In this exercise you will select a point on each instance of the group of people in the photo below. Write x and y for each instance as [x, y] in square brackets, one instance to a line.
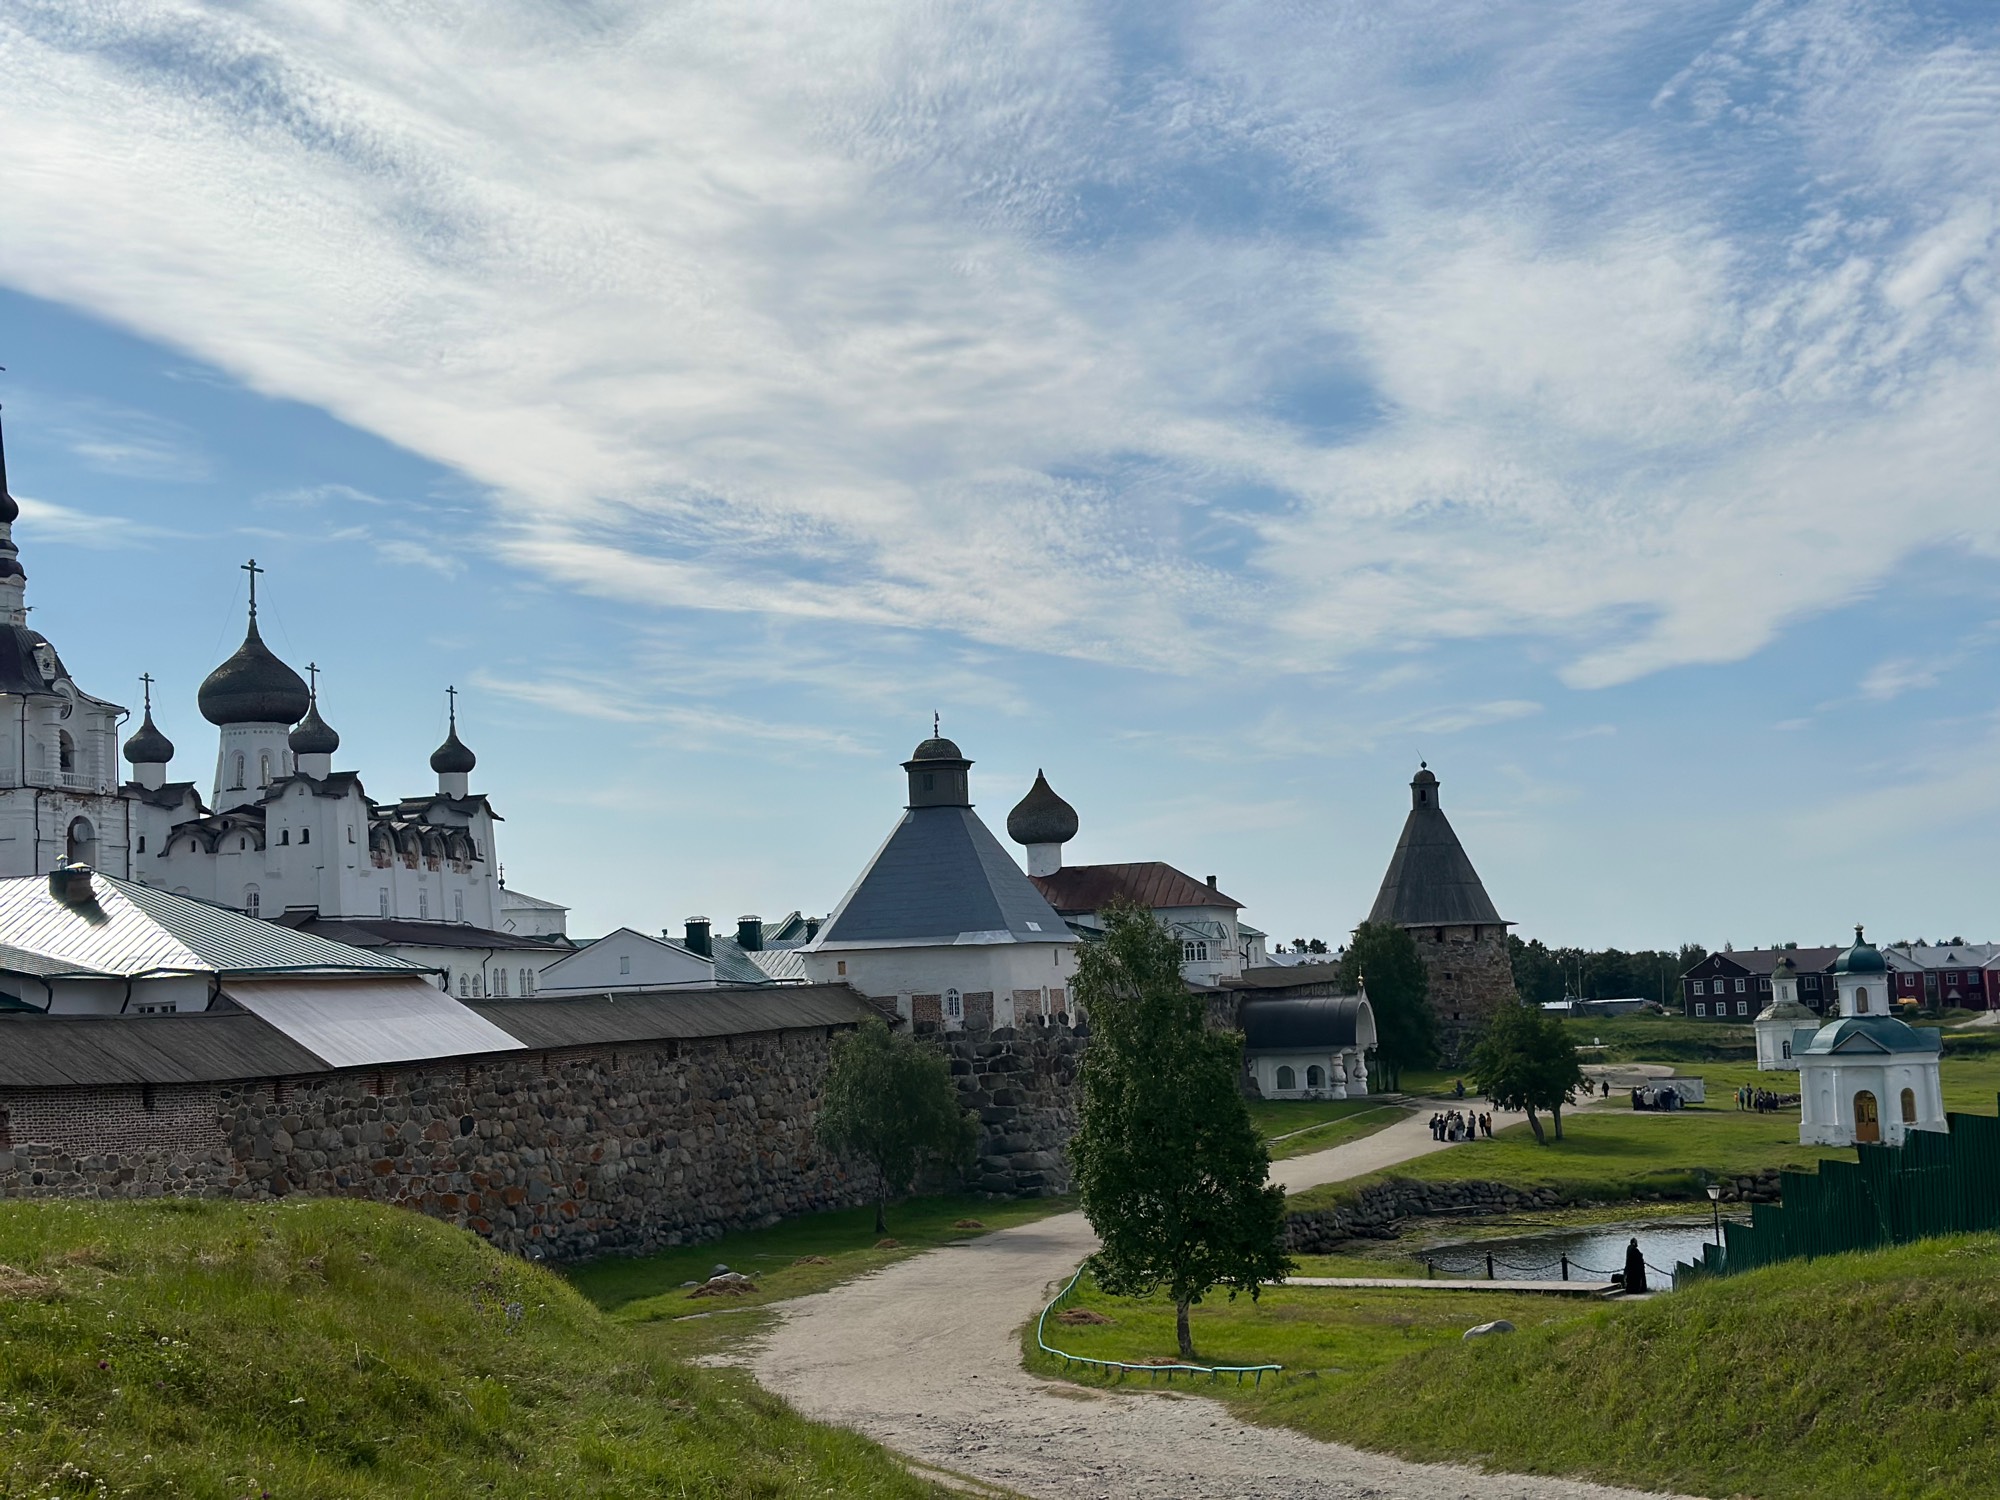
[1453, 1126]
[1763, 1101]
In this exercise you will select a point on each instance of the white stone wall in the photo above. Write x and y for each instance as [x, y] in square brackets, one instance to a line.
[996, 968]
[623, 960]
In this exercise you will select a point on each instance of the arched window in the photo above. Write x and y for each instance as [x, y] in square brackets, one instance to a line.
[236, 782]
[385, 900]
[423, 903]
[1909, 1106]
[82, 842]
[1315, 1077]
[1287, 1080]
[1861, 1000]
[65, 751]
[954, 1004]
[253, 901]
[284, 837]
[305, 835]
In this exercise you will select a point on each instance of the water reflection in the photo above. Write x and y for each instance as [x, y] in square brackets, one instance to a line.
[1594, 1251]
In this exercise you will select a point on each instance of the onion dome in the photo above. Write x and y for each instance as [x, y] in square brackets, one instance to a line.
[1041, 817]
[253, 687]
[452, 757]
[313, 736]
[149, 747]
[1862, 958]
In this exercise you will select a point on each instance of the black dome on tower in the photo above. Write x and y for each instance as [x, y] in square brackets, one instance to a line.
[314, 736]
[452, 755]
[1041, 817]
[253, 687]
[149, 747]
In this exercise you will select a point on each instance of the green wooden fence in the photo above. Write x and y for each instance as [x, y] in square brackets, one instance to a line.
[1934, 1183]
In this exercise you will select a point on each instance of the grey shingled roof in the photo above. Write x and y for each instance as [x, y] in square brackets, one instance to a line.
[129, 929]
[940, 877]
[1430, 882]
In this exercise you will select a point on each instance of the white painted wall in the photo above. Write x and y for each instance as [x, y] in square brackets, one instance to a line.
[898, 973]
[625, 960]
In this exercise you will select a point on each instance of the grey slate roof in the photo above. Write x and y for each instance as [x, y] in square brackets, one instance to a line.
[1430, 882]
[940, 877]
[132, 929]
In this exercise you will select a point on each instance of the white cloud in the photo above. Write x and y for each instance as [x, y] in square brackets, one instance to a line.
[81, 528]
[1275, 335]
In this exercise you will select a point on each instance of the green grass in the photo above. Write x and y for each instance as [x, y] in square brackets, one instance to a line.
[1662, 1039]
[1860, 1377]
[1609, 1154]
[648, 1288]
[209, 1351]
[1295, 1127]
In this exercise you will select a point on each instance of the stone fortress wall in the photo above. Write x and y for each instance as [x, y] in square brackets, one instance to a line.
[559, 1155]
[1470, 977]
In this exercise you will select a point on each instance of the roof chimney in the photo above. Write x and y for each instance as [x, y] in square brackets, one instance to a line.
[71, 885]
[698, 940]
[812, 928]
[1211, 882]
[750, 934]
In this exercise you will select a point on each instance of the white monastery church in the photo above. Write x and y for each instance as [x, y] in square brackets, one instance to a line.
[280, 833]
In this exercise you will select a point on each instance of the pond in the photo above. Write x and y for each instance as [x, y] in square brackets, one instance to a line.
[1594, 1250]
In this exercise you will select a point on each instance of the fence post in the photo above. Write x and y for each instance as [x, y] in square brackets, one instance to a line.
[1565, 1267]
[1489, 1265]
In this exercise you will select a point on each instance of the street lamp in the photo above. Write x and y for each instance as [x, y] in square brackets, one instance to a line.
[1715, 1205]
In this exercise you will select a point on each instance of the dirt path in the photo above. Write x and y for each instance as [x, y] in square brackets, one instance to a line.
[925, 1357]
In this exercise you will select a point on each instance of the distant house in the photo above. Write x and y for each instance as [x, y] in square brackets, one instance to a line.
[1736, 985]
[1957, 976]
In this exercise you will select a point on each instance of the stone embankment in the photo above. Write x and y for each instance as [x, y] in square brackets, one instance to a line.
[1374, 1211]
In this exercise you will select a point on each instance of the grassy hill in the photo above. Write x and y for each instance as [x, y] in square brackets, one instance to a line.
[215, 1351]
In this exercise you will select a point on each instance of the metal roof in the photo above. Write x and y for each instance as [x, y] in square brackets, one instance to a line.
[398, 932]
[1272, 1024]
[638, 1016]
[127, 929]
[940, 877]
[1149, 883]
[355, 1024]
[38, 1051]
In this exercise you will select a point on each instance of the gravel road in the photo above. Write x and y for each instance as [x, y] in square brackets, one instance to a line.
[925, 1357]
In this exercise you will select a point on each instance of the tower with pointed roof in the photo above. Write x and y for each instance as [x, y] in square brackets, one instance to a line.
[941, 924]
[59, 756]
[1432, 892]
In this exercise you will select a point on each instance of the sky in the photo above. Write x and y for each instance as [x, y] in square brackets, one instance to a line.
[1222, 406]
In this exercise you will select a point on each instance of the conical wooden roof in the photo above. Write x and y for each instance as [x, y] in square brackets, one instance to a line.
[1430, 882]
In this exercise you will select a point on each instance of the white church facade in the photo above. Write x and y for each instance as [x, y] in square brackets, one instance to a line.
[1867, 1077]
[277, 832]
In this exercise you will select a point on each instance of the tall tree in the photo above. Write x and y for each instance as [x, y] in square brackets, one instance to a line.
[892, 1103]
[1384, 958]
[1171, 1172]
[1525, 1060]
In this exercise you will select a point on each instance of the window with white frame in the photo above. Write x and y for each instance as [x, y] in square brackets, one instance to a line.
[253, 901]
[458, 906]
[1700, 1009]
[1742, 1007]
[1194, 950]
[499, 984]
[954, 1004]
[624, 963]
[527, 983]
[423, 902]
[464, 986]
[1700, 987]
[1739, 986]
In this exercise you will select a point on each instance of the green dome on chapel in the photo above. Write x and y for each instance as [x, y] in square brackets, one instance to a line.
[1862, 958]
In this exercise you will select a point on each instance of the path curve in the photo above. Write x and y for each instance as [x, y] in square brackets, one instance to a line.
[924, 1356]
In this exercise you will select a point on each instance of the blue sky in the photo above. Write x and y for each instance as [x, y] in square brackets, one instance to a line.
[1222, 406]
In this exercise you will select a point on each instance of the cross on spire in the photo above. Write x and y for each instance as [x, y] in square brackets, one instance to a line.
[451, 696]
[937, 725]
[146, 678]
[253, 570]
[312, 677]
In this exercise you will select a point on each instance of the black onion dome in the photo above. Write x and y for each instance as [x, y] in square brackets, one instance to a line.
[452, 756]
[1041, 817]
[314, 736]
[149, 747]
[936, 749]
[253, 687]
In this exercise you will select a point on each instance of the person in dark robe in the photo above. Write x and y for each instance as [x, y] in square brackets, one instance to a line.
[1635, 1267]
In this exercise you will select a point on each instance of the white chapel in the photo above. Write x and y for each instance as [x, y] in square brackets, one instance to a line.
[1867, 1076]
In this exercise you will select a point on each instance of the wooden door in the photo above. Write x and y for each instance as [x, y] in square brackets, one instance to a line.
[1866, 1126]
